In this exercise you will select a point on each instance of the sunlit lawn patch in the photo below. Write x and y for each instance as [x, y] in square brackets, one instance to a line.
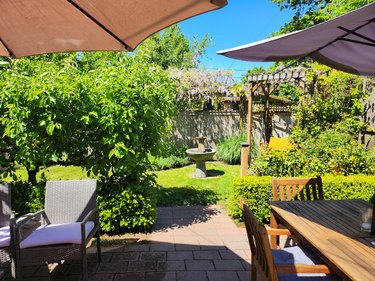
[55, 173]
[179, 187]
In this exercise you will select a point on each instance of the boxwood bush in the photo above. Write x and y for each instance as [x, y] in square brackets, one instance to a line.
[257, 192]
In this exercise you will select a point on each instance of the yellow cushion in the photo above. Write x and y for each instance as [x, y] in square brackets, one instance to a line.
[280, 144]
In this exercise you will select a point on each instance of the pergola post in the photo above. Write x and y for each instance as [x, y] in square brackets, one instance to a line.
[244, 158]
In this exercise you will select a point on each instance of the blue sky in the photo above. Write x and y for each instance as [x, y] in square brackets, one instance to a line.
[239, 23]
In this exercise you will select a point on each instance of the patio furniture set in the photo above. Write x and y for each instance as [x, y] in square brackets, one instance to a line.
[330, 244]
[61, 231]
[327, 240]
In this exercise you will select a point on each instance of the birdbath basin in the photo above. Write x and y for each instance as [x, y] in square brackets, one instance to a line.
[200, 157]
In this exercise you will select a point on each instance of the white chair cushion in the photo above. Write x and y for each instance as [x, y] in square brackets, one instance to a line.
[4, 236]
[300, 255]
[56, 234]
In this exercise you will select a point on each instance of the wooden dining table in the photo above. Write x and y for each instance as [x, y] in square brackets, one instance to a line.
[332, 229]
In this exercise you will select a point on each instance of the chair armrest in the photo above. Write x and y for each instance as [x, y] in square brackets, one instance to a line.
[278, 231]
[90, 216]
[303, 268]
[28, 217]
[19, 225]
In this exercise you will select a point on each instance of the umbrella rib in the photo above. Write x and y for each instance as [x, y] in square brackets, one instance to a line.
[6, 47]
[339, 38]
[359, 42]
[356, 34]
[100, 24]
[348, 31]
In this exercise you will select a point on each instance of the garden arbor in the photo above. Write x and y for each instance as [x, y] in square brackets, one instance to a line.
[267, 83]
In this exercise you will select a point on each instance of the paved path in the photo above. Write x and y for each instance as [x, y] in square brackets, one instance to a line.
[198, 243]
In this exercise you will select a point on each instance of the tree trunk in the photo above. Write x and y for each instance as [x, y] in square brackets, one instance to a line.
[32, 175]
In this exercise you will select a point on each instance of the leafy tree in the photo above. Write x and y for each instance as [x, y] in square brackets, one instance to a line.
[38, 109]
[336, 97]
[311, 12]
[128, 102]
[171, 49]
[103, 111]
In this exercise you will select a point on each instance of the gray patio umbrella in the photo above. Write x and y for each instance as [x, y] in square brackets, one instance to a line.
[345, 43]
[31, 27]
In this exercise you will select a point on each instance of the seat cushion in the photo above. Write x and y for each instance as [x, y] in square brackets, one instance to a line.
[296, 254]
[300, 255]
[67, 233]
[4, 236]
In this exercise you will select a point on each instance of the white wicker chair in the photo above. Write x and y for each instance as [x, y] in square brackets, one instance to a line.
[69, 221]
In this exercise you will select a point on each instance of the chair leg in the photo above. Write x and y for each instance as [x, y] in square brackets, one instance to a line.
[84, 268]
[98, 246]
[17, 273]
[13, 269]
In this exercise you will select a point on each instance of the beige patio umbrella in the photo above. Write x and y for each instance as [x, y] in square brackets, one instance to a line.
[31, 27]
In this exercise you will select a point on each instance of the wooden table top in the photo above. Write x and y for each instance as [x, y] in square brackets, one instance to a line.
[332, 229]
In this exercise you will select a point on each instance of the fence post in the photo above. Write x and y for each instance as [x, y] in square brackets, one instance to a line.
[244, 158]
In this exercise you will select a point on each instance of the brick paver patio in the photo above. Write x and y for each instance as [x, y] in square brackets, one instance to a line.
[197, 243]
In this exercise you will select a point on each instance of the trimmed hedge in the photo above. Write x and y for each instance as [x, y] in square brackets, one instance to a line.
[257, 192]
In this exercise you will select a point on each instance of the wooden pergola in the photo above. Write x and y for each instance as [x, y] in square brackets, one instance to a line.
[268, 83]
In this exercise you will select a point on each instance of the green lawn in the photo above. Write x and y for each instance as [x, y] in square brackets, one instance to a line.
[177, 186]
[55, 173]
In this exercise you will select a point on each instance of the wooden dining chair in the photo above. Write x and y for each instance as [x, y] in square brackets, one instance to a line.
[297, 189]
[294, 189]
[280, 264]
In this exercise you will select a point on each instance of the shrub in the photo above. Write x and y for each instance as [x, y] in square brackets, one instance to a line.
[279, 163]
[257, 192]
[26, 197]
[160, 163]
[169, 156]
[332, 152]
[229, 150]
[127, 208]
[339, 152]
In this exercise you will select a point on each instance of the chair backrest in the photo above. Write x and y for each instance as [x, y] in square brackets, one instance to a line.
[261, 253]
[69, 201]
[6, 204]
[297, 189]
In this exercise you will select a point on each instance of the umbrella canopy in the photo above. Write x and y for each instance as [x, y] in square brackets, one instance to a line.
[31, 27]
[346, 43]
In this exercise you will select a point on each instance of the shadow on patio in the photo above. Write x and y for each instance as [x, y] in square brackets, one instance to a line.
[186, 243]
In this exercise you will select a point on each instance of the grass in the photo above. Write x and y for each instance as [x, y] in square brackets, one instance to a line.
[55, 173]
[177, 186]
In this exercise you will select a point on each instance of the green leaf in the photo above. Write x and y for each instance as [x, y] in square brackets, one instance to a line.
[50, 128]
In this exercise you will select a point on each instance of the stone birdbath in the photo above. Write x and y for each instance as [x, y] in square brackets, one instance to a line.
[200, 155]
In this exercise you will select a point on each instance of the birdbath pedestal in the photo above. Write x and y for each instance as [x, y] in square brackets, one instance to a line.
[200, 155]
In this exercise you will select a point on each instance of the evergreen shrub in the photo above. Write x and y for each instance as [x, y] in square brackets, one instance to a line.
[127, 208]
[257, 192]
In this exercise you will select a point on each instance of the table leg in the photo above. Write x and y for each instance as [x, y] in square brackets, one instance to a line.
[275, 240]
